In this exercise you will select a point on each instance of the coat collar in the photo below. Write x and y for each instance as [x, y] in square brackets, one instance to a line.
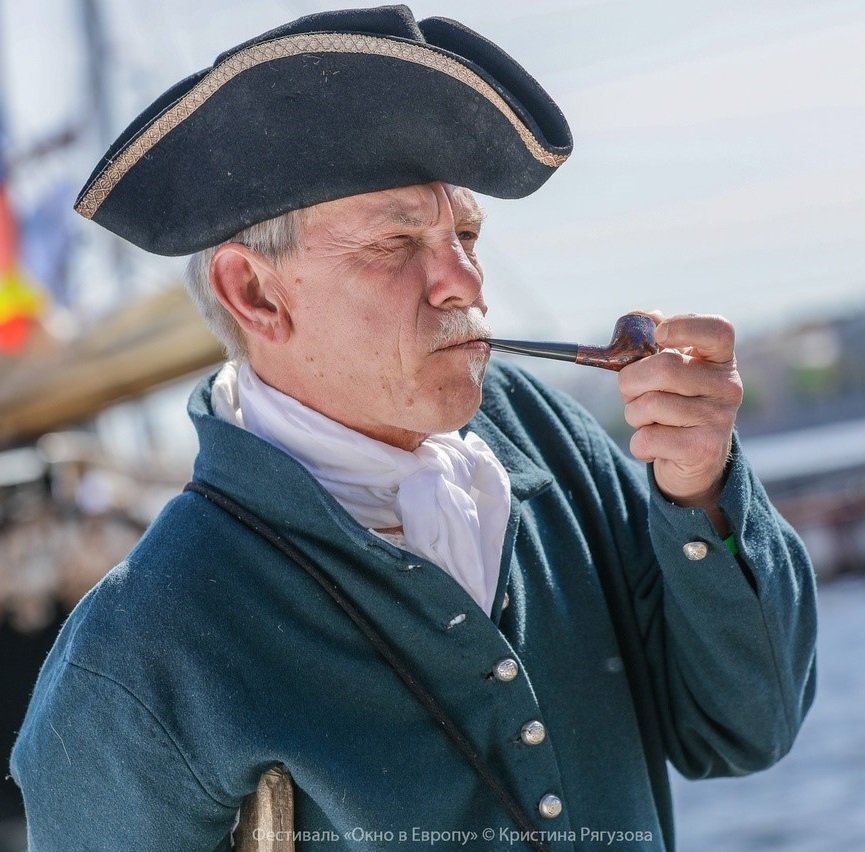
[527, 478]
[239, 463]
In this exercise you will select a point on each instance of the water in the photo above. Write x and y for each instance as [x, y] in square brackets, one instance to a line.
[814, 799]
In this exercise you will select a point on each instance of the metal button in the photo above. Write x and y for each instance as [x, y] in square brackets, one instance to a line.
[506, 601]
[696, 550]
[506, 669]
[550, 806]
[533, 733]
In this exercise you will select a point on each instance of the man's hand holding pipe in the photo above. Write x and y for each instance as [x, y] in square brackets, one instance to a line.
[682, 403]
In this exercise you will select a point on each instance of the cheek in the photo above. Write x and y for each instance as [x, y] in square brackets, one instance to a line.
[380, 357]
[384, 337]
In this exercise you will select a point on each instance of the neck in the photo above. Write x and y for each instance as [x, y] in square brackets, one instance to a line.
[332, 406]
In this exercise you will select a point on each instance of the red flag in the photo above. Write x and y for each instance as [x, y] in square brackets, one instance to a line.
[20, 302]
[8, 234]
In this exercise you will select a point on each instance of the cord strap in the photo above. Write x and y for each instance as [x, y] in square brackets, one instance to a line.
[529, 831]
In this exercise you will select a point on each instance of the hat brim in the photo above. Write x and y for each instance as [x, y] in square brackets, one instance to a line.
[299, 120]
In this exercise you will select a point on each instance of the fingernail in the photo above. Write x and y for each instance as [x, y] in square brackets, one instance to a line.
[661, 333]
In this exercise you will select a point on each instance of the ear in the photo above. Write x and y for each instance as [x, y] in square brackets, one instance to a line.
[250, 288]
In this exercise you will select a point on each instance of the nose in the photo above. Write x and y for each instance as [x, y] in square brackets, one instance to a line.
[454, 280]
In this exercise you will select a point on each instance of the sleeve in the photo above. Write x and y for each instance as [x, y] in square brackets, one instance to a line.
[719, 650]
[730, 638]
[99, 772]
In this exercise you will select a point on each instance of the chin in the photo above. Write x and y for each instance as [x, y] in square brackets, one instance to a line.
[463, 407]
[478, 367]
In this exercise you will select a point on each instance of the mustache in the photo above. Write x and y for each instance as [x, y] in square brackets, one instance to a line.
[459, 326]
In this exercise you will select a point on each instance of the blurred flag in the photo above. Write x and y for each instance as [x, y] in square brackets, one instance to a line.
[46, 241]
[20, 302]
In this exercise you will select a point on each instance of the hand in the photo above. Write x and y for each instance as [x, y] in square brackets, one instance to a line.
[683, 403]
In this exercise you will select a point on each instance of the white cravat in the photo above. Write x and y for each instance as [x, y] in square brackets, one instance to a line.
[450, 496]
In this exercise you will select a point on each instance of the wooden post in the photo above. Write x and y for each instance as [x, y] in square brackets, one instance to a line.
[266, 822]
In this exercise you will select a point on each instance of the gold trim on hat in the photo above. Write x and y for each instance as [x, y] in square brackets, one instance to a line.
[114, 171]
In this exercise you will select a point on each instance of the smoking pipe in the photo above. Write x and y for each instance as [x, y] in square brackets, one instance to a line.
[633, 339]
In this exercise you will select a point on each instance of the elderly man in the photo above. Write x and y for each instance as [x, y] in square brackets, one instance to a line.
[430, 588]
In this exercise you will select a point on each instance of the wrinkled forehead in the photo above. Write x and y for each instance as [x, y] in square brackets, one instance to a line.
[423, 205]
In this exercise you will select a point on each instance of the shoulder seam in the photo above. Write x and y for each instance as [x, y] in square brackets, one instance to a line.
[157, 720]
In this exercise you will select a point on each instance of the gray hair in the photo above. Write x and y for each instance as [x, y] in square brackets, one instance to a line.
[276, 239]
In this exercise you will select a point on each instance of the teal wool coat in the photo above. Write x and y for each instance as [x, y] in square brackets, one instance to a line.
[208, 656]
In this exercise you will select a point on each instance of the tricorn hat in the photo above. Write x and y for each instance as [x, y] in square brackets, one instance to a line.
[332, 105]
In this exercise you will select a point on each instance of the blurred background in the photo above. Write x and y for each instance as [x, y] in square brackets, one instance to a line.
[719, 167]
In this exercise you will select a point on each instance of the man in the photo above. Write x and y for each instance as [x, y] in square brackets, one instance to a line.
[447, 604]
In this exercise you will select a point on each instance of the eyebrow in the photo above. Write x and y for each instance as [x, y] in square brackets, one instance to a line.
[467, 216]
[472, 216]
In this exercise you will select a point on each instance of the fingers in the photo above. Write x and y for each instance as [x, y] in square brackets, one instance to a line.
[697, 360]
[711, 338]
[682, 403]
[684, 412]
[682, 375]
[696, 457]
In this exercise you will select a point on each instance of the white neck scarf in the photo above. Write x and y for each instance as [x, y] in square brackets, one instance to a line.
[450, 496]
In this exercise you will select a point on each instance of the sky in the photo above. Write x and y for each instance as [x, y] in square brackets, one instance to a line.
[719, 163]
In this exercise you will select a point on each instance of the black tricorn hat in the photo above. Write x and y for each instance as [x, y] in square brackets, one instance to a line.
[331, 105]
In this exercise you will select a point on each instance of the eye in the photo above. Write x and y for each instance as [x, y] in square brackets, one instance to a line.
[398, 244]
[468, 236]
[392, 251]
[397, 241]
